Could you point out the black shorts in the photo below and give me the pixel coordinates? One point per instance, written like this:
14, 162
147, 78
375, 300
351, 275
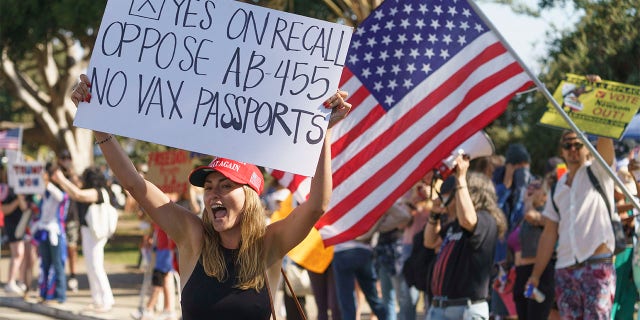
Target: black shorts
10, 232
157, 280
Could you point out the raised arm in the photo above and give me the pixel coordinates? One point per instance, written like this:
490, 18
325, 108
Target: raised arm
285, 234
175, 220
75, 193
465, 211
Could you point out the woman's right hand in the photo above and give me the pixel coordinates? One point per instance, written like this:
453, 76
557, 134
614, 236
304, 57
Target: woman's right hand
81, 90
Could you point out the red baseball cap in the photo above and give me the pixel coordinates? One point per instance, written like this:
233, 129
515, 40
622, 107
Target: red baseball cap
236, 171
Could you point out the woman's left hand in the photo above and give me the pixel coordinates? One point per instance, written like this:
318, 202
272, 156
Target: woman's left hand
339, 105
462, 165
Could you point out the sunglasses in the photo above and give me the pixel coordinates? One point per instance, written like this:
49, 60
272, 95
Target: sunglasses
569, 145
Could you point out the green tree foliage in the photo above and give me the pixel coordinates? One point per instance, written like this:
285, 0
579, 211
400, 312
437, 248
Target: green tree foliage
605, 41
45, 45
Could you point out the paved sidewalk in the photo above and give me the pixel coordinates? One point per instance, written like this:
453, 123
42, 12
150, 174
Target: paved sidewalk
125, 282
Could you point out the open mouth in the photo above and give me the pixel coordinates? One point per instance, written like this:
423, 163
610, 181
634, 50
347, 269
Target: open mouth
218, 211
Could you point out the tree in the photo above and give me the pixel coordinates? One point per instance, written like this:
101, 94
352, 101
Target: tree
605, 41
45, 45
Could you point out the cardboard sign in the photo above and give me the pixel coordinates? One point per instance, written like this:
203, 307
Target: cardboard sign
603, 108
216, 77
27, 177
169, 170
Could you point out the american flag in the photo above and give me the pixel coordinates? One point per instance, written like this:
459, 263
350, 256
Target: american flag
11, 139
423, 76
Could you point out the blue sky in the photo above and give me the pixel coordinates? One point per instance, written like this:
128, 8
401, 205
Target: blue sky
526, 35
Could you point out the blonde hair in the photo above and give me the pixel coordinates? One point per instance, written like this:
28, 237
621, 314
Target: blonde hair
249, 262
483, 196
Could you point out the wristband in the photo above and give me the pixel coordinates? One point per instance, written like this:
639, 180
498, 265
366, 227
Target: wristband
104, 140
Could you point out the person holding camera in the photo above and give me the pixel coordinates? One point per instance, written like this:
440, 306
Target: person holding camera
462, 271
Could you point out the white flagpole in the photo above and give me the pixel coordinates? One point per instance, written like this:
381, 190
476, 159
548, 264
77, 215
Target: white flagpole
552, 100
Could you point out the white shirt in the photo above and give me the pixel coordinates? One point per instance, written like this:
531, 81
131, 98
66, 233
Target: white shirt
584, 221
49, 214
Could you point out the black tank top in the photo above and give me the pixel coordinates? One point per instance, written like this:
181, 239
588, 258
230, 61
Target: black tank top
204, 297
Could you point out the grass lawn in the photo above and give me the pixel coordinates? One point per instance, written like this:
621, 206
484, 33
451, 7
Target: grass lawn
123, 247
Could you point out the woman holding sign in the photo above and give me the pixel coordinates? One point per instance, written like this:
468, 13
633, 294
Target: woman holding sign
223, 257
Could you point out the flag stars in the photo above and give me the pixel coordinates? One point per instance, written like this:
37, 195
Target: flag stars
407, 9
411, 68
384, 55
375, 28
366, 72
423, 9
466, 13
390, 25
417, 38
371, 42
420, 23
462, 40
402, 38
378, 14
464, 25
447, 39
438, 10
444, 53
429, 53
395, 69
426, 68
404, 23
380, 71
377, 86
398, 54
393, 11
450, 25
392, 84
414, 53
368, 57
407, 84
435, 24
386, 40
433, 38
360, 31
478, 27
355, 44
353, 59
389, 100
452, 11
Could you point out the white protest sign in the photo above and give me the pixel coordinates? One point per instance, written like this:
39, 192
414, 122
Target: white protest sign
217, 77
27, 177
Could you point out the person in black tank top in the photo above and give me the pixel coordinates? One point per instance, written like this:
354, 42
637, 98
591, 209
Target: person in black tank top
224, 256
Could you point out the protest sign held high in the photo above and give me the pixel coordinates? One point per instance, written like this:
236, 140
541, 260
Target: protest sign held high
27, 177
209, 76
603, 108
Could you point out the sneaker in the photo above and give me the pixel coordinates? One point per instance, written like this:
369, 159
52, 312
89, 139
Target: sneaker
72, 284
13, 288
142, 315
22, 286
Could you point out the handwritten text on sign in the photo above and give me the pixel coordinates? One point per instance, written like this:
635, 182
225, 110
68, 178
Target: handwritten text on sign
217, 77
169, 170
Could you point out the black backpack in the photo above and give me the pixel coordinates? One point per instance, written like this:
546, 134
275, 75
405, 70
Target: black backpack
417, 268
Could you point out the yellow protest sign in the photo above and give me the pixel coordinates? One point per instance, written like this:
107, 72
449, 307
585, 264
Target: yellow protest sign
310, 253
603, 108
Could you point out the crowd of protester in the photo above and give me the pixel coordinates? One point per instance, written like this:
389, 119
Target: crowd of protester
467, 245
492, 239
